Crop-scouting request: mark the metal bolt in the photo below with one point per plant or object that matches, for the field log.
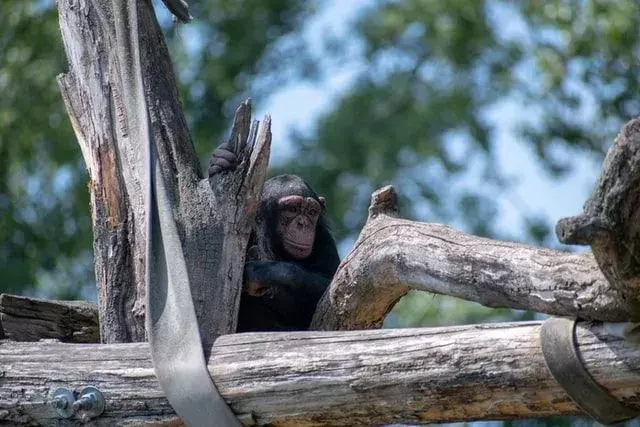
(91, 403)
(85, 402)
(59, 403)
(62, 400)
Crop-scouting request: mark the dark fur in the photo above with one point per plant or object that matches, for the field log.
(324, 258)
(293, 287)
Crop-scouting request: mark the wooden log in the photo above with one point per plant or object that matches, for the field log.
(31, 319)
(348, 378)
(609, 220)
(393, 255)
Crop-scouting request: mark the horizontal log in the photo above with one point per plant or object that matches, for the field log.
(31, 319)
(426, 375)
(393, 255)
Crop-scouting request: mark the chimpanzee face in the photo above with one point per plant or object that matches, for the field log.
(296, 224)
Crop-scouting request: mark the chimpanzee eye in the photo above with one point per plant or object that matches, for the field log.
(291, 209)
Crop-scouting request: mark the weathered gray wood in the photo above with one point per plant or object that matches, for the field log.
(610, 222)
(31, 319)
(214, 227)
(476, 372)
(393, 255)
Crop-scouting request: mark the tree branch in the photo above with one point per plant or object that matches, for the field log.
(393, 255)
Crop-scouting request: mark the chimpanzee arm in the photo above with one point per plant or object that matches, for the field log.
(298, 281)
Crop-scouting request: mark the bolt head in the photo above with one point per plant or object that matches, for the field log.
(61, 401)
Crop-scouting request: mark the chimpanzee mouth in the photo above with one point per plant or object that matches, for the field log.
(299, 246)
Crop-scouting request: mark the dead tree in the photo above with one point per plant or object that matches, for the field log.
(314, 378)
(214, 227)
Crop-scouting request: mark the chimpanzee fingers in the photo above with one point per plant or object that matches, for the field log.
(252, 271)
(260, 271)
(225, 153)
(280, 273)
(214, 169)
(255, 289)
(223, 158)
(219, 164)
(253, 254)
(222, 162)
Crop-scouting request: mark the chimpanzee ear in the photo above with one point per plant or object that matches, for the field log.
(322, 201)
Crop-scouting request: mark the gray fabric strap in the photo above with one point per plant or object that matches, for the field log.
(557, 338)
(171, 322)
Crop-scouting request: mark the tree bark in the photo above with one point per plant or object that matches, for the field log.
(427, 375)
(214, 227)
(610, 221)
(393, 255)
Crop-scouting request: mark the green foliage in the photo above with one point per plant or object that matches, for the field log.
(419, 113)
(44, 221)
(432, 73)
(234, 50)
(424, 309)
(587, 74)
(45, 227)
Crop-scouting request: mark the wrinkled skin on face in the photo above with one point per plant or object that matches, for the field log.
(296, 224)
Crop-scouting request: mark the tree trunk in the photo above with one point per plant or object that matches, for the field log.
(214, 227)
(416, 376)
(610, 221)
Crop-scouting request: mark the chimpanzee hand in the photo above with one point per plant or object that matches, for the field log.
(285, 290)
(298, 281)
(260, 274)
(222, 159)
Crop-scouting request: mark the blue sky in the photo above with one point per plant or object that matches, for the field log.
(300, 103)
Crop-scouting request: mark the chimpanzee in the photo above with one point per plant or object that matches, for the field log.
(291, 257)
